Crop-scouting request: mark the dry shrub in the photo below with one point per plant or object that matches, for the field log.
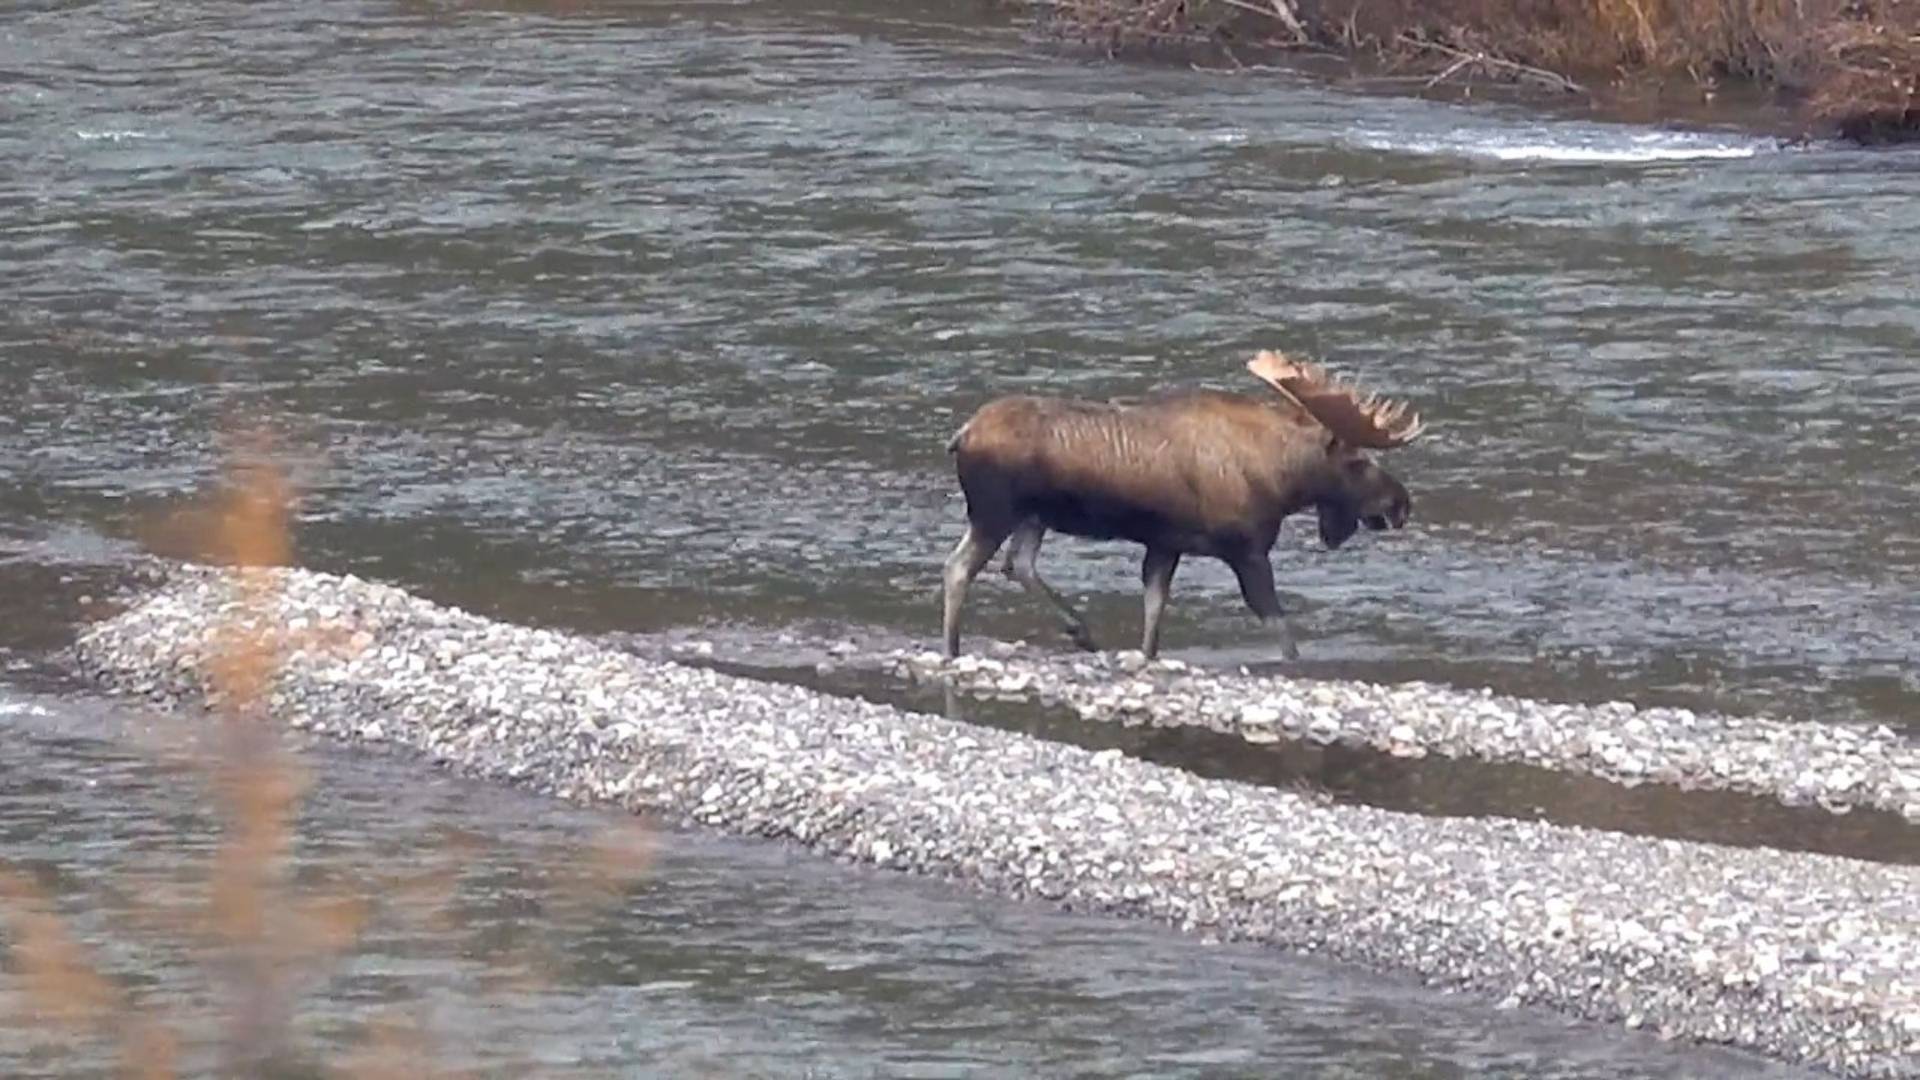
(1873, 73)
(1854, 64)
(264, 938)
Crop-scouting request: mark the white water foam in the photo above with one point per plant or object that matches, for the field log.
(1570, 145)
(16, 707)
(112, 135)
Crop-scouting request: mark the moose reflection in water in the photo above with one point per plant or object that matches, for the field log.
(1186, 472)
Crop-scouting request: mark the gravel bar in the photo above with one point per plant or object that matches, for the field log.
(1806, 958)
(1798, 763)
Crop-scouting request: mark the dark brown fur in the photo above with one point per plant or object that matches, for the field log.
(1197, 472)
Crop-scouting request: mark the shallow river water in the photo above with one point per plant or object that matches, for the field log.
(650, 317)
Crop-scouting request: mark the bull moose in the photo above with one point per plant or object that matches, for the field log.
(1183, 472)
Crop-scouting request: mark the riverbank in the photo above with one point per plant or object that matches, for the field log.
(1806, 958)
(1846, 67)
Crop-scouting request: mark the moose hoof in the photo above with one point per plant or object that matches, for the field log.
(1082, 638)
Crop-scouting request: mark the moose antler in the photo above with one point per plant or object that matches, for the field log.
(1368, 421)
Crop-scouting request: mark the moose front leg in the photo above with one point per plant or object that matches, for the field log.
(1256, 586)
(1156, 574)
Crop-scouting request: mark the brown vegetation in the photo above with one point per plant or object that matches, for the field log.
(262, 935)
(1853, 66)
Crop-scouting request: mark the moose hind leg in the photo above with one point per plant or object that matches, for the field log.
(1256, 586)
(1023, 557)
(1156, 574)
(973, 552)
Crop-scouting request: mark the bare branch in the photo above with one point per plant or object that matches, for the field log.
(1462, 58)
(1278, 10)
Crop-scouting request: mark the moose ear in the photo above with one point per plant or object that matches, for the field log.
(1338, 522)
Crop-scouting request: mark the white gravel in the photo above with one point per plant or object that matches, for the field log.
(1798, 763)
(1807, 958)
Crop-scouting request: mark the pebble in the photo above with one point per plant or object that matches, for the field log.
(1694, 941)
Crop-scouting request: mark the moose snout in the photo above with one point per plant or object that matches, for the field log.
(1395, 516)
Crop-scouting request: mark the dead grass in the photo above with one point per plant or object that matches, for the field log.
(263, 938)
(1853, 66)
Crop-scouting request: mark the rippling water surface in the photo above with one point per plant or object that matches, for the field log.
(626, 317)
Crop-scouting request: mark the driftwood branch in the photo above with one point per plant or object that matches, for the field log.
(1281, 10)
(1451, 68)
(1463, 59)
